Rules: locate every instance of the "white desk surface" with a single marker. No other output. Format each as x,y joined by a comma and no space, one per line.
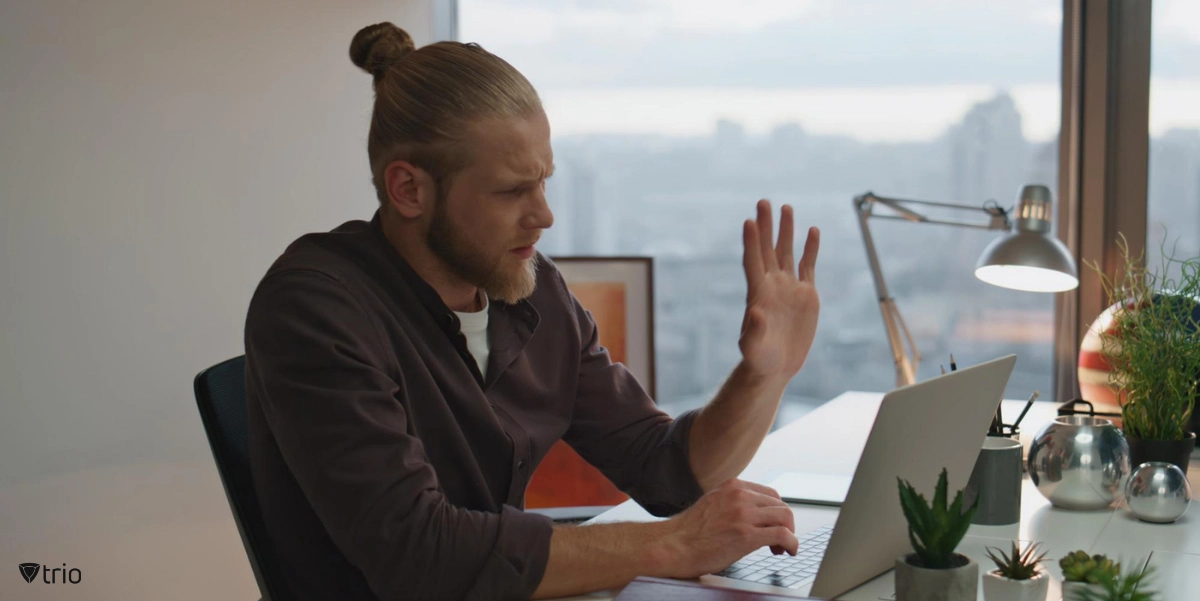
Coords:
830,440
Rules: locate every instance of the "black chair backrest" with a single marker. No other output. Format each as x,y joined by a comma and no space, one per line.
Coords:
221,396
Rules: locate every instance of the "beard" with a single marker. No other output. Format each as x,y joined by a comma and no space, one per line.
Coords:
486,271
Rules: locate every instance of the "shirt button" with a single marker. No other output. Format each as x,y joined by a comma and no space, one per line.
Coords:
521,465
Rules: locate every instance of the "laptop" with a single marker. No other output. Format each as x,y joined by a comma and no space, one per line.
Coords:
919,429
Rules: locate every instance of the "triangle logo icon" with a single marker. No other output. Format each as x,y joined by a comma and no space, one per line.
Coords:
29,571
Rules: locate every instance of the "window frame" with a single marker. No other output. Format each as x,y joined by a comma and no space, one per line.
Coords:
1103,159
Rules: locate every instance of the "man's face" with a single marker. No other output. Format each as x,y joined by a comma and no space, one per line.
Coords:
485,225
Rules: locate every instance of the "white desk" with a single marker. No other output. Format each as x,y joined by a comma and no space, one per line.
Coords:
830,440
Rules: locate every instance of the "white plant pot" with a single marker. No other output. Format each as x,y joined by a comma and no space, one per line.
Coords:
923,584
999,588
1071,590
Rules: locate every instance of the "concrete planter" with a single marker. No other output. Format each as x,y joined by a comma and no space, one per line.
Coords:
999,588
915,583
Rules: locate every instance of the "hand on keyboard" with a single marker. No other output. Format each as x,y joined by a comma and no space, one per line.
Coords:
795,571
727,523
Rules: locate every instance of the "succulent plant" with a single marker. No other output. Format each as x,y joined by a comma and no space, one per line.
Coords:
933,528
1078,566
1121,587
1020,565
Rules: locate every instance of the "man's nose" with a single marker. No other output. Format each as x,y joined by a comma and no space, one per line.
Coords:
540,217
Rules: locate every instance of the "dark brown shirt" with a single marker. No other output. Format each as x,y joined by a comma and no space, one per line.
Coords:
387,467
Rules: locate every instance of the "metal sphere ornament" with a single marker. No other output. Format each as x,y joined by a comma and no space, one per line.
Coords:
1158,492
1079,462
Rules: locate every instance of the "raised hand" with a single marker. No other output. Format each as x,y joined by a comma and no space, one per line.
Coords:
781,299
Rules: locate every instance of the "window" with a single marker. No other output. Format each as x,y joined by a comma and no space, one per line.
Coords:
1173,199
672,117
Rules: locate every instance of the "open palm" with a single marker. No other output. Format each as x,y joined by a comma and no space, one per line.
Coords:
781,299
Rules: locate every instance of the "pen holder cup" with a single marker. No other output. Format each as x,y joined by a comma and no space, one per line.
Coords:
996,481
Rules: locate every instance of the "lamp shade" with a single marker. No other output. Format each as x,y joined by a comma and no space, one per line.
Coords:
1029,258
1027,261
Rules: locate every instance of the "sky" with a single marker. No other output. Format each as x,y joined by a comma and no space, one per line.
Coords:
876,70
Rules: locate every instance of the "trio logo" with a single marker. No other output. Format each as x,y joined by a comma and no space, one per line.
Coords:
29,571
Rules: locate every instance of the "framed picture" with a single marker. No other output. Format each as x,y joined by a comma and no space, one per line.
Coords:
619,293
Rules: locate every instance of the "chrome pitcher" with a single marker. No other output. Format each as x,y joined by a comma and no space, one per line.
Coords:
1080,462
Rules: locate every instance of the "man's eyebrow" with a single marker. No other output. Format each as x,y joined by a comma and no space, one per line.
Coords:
536,178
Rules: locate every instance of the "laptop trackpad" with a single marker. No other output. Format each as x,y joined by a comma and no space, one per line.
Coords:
812,489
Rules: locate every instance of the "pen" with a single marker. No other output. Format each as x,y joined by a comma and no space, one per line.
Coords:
1028,404
997,426
953,365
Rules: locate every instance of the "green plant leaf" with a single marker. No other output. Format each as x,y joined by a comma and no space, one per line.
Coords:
939,496
1153,349
935,530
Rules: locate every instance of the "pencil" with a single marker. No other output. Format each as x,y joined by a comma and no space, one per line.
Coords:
1028,404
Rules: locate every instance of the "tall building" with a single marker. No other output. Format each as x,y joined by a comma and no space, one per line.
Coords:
1174,193
585,210
988,152
730,138
583,222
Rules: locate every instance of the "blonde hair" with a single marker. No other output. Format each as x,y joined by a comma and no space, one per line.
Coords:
426,99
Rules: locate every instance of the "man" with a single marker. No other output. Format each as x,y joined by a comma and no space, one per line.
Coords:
406,375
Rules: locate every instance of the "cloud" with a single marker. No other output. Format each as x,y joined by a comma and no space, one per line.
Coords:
798,43
770,43
1179,18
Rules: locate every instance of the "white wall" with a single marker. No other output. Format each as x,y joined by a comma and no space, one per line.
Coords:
155,157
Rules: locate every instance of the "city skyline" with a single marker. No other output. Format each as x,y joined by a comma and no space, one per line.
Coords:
670,118
681,200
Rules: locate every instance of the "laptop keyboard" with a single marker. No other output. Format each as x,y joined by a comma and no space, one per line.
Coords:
783,570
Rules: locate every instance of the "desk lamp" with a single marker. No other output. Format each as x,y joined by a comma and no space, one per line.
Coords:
1027,257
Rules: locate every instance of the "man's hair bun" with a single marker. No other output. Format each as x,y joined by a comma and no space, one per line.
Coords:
375,48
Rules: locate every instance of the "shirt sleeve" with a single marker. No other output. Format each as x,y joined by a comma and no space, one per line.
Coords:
617,428
317,363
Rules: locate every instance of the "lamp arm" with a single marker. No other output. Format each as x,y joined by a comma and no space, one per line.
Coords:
904,350
897,330
912,349
997,216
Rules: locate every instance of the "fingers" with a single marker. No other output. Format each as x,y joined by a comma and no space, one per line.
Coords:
753,516
771,518
775,516
761,489
751,255
758,256
764,495
808,261
783,250
765,227
779,537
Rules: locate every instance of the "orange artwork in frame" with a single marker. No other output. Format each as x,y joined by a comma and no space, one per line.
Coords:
618,292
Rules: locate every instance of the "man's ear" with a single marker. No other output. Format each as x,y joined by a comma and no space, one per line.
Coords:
409,188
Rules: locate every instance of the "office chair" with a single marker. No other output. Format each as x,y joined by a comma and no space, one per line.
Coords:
221,397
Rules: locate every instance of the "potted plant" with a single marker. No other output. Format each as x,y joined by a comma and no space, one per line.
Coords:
1152,348
1120,587
1018,576
1083,572
934,572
